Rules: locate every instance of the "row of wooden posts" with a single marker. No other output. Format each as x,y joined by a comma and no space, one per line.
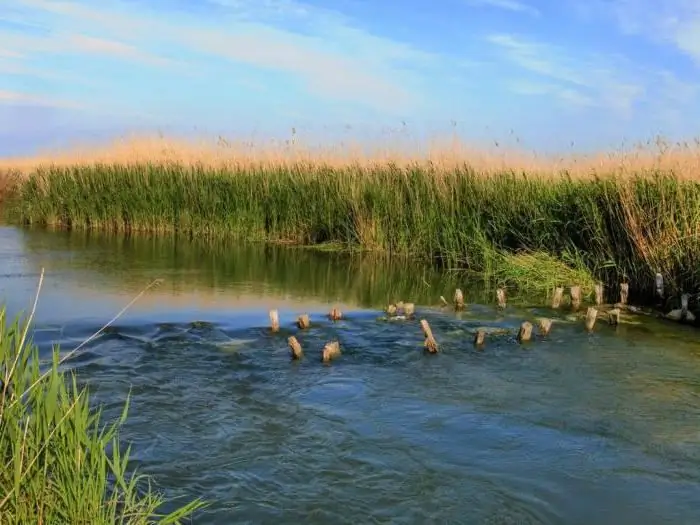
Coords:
407,310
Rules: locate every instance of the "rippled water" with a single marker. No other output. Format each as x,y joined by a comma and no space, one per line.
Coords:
576,428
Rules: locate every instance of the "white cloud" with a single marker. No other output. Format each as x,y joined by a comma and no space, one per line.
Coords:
508,5
15,98
332,58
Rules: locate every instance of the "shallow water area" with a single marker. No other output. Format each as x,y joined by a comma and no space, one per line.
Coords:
574,428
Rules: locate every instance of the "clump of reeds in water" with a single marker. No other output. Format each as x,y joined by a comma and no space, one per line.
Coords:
57,466
616,222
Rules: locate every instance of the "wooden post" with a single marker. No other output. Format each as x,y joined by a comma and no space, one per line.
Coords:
295,348
330,351
659,285
556,298
274,321
684,306
525,333
479,338
303,321
575,293
545,325
430,343
335,315
391,310
599,294
459,299
591,315
501,296
614,316
444,301
409,310
624,293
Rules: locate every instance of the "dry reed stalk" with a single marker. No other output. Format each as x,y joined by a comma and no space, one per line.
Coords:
557,297
575,294
335,314
545,326
525,332
430,344
295,348
599,294
330,351
303,321
591,315
274,321
479,338
459,299
501,297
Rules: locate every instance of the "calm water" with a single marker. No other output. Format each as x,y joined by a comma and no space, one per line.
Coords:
575,429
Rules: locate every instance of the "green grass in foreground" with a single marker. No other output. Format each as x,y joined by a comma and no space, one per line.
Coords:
56,467
625,227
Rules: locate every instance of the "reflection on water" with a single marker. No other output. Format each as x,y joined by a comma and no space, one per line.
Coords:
577,428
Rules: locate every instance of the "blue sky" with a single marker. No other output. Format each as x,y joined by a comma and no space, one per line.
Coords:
592,73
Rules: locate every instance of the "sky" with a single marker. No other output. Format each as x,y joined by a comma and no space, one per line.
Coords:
550,75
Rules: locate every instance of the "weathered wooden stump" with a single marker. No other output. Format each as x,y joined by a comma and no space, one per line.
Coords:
459,299
479,338
391,310
659,281
430,344
591,315
624,293
575,294
545,326
501,297
335,315
295,348
525,333
409,310
303,321
330,351
274,321
599,294
614,316
557,297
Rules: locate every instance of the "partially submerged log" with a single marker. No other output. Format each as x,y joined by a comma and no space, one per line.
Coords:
274,321
459,299
303,321
575,293
591,315
501,297
525,333
330,351
295,348
545,326
557,297
430,344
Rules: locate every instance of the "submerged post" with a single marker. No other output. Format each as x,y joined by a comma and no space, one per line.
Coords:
303,321
501,296
409,310
459,299
684,306
545,325
479,338
575,293
624,293
295,348
599,294
659,286
430,343
614,316
335,315
274,321
391,310
525,333
330,351
557,297
591,315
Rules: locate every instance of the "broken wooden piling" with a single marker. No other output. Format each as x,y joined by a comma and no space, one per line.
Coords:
335,315
501,297
479,338
391,310
544,325
274,321
659,281
591,315
459,299
575,294
295,348
614,316
624,293
525,333
409,310
599,294
303,321
557,297
330,351
430,344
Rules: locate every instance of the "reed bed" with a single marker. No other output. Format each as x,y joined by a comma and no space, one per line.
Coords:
61,462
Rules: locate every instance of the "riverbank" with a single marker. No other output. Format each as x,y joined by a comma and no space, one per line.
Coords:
614,227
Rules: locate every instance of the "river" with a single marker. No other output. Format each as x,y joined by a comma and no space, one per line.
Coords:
575,428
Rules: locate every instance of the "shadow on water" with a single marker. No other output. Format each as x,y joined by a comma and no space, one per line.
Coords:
573,428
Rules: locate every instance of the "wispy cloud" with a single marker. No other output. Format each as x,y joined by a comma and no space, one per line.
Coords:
508,5
18,98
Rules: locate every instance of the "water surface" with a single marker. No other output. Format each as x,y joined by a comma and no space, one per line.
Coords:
575,428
